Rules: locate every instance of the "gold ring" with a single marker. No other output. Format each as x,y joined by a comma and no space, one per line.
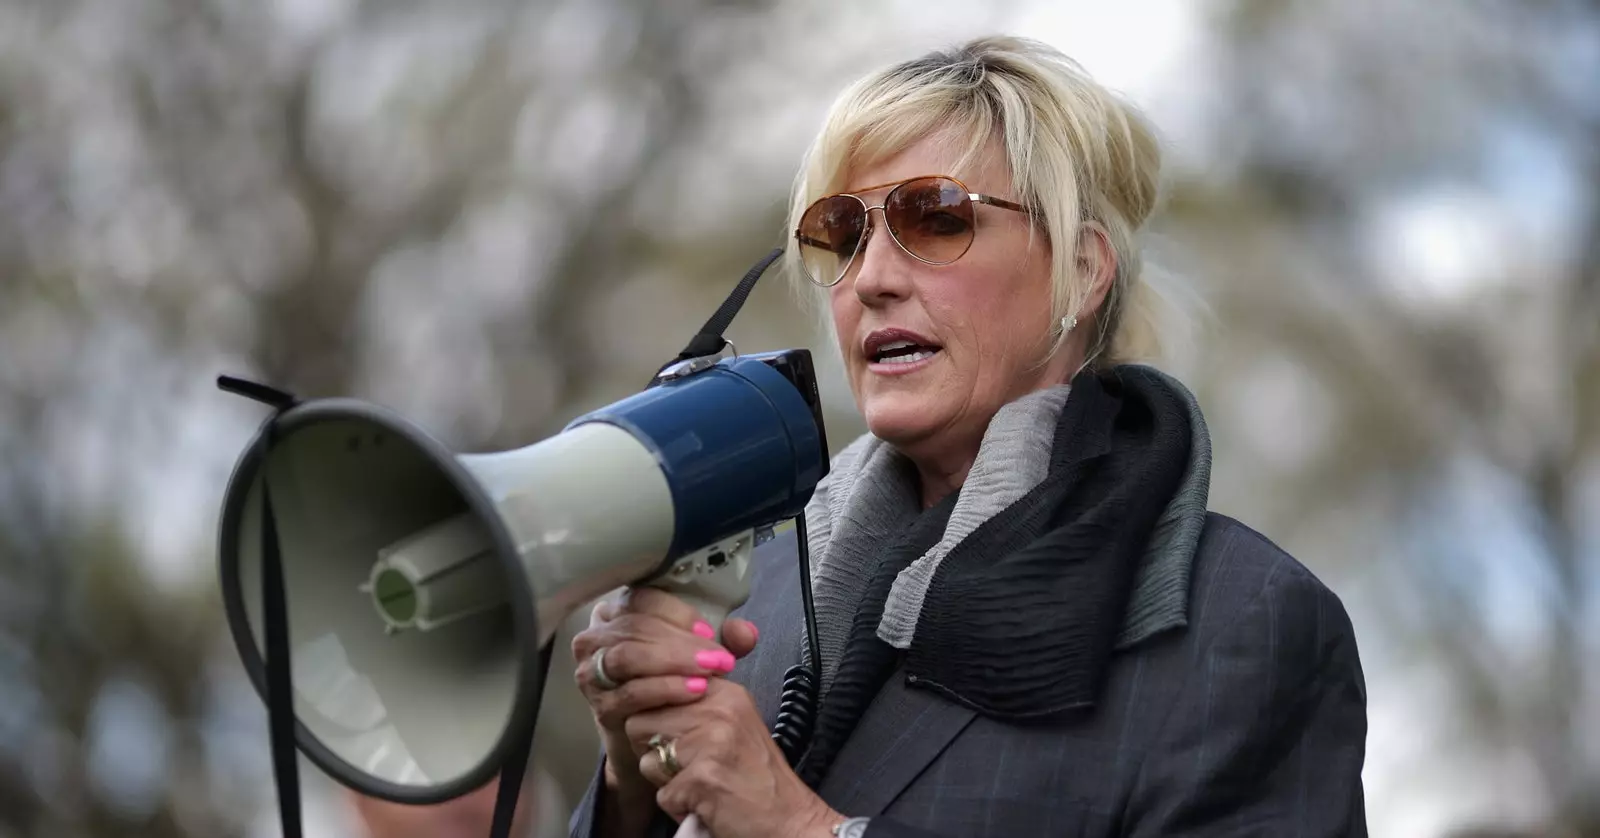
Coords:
667,752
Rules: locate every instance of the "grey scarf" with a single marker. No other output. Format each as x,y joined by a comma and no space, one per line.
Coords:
871,493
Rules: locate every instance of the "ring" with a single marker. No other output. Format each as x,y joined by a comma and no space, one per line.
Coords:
601,679
667,752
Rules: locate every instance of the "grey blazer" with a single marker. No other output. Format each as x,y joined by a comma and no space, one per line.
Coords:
1247,720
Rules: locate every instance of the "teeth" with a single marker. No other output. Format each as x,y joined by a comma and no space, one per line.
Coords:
906,359
899,344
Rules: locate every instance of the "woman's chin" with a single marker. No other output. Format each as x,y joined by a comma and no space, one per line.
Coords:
899,418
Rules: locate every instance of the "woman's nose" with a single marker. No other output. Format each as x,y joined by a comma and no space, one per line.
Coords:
882,269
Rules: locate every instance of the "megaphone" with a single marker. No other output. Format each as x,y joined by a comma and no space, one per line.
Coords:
419,585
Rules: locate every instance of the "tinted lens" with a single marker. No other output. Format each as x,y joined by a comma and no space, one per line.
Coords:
932,218
830,234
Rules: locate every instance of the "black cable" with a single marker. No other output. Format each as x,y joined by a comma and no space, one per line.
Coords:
813,644
797,703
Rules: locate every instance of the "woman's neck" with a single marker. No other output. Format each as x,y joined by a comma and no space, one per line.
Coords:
936,480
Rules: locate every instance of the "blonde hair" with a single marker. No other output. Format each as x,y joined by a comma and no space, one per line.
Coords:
1076,153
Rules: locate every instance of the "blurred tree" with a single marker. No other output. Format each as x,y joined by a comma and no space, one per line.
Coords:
283,189
1329,115
492,215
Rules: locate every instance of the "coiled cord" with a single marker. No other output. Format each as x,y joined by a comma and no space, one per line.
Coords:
797,704
797,713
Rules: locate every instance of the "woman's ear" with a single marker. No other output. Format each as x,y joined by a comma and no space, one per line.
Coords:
1097,261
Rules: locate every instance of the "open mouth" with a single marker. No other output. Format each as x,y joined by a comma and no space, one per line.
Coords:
903,352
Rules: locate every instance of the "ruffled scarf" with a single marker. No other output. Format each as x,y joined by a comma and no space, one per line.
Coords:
1010,595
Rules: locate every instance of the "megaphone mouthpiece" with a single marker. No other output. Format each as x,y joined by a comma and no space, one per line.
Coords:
436,576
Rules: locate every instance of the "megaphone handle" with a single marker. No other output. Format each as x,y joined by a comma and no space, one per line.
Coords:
692,828
714,612
715,580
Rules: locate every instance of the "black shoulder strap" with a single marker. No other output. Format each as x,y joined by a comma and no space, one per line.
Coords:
709,340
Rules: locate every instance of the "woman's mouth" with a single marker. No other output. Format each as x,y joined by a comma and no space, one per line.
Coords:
901,356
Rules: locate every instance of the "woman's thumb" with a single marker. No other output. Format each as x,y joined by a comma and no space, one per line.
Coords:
739,636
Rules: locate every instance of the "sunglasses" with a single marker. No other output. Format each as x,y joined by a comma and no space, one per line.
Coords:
931,218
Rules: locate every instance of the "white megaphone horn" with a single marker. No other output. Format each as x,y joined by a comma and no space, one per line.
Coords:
419,585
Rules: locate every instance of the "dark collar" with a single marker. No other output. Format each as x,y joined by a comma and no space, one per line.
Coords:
1022,617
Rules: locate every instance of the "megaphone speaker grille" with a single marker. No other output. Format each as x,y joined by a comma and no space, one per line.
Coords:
412,628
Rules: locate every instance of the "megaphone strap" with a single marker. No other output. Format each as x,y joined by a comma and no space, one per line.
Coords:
275,613
709,340
264,393
511,775
280,698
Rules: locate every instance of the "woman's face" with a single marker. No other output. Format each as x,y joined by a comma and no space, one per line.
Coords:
986,317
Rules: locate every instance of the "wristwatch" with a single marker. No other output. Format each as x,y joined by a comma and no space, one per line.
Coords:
851,828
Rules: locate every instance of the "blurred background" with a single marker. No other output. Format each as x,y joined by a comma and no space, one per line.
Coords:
492,215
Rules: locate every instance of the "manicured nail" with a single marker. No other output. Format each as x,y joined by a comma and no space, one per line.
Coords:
704,629
695,685
715,660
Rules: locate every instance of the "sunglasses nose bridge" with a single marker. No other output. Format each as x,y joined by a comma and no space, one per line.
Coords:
866,234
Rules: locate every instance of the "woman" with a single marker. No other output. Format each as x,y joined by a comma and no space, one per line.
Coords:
1029,623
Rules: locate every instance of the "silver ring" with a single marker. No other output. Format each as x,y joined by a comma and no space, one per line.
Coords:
598,661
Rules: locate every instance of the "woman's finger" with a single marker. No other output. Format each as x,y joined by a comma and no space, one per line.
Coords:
739,636
627,662
626,627
630,659
613,708
651,764
656,770
605,608
665,606
667,722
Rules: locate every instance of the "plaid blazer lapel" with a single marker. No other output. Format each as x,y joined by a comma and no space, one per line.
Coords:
903,731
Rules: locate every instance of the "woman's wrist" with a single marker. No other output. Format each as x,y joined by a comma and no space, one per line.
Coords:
629,801
821,822
849,828
621,768
626,809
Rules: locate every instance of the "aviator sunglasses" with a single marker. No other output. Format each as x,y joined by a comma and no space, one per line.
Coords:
931,218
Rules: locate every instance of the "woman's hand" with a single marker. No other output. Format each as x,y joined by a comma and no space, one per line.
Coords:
730,772
658,652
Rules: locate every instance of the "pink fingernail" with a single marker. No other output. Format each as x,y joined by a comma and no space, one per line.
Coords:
714,659
695,685
704,629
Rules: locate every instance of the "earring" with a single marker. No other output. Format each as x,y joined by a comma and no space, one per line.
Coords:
1068,323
